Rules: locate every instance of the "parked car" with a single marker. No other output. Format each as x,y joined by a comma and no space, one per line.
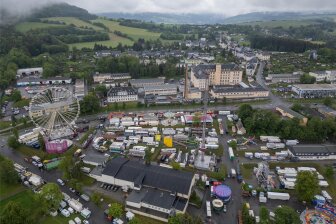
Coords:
72,190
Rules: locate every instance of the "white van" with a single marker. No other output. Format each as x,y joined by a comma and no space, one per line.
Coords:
60,182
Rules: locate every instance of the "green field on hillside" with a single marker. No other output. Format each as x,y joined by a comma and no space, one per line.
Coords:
113,42
26,26
77,22
282,23
135,33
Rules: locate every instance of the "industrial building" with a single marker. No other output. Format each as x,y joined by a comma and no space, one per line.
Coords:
122,94
217,74
110,77
157,192
314,90
322,76
283,78
140,83
79,88
29,71
238,92
313,152
162,90
286,112
32,81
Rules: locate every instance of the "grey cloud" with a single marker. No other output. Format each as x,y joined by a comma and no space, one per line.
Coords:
224,7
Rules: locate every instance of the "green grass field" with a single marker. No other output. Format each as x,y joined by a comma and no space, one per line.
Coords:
9,190
113,42
77,22
26,26
135,33
25,198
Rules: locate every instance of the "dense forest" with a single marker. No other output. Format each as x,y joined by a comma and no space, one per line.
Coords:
137,70
265,122
272,43
62,10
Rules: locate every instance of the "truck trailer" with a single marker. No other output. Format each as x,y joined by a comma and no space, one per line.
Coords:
278,196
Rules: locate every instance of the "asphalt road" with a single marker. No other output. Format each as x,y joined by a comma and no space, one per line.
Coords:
275,100
97,215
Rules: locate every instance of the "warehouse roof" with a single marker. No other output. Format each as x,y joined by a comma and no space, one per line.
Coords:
154,176
315,86
313,149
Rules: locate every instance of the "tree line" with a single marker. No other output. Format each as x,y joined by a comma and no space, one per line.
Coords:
273,43
265,122
137,69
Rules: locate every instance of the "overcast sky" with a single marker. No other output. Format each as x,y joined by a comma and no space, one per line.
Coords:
224,7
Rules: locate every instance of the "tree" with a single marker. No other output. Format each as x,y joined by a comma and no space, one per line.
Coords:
13,142
8,174
90,103
148,157
264,215
307,186
116,210
328,101
245,111
297,107
95,197
329,172
286,215
307,79
15,213
50,196
65,166
16,96
41,142
247,219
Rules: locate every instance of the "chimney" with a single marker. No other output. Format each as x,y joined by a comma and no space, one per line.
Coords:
186,83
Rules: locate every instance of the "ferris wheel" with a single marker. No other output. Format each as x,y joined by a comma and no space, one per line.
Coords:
54,110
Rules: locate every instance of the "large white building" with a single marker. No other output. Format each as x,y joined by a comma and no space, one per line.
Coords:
314,90
324,75
29,71
237,92
110,77
140,83
313,152
122,94
161,90
215,74
157,191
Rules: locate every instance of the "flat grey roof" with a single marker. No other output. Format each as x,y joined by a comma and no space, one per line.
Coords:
313,149
315,86
154,176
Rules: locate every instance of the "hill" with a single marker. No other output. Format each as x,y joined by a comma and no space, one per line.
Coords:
62,10
190,18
